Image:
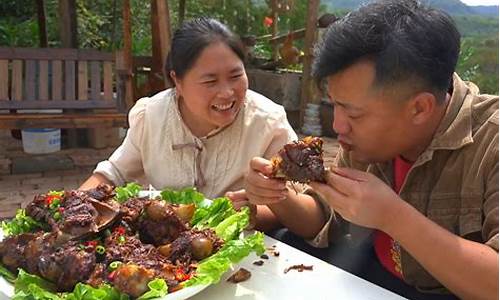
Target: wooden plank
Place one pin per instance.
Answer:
(17, 80)
(83, 81)
(108, 81)
(95, 80)
(56, 80)
(20, 121)
(69, 80)
(54, 54)
(57, 104)
(43, 80)
(4, 80)
(30, 80)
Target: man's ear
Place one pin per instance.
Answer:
(422, 107)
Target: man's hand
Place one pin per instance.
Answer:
(359, 197)
(260, 189)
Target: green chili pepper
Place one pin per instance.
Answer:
(121, 239)
(57, 216)
(114, 265)
(100, 249)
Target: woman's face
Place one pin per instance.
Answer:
(213, 90)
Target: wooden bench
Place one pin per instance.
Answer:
(83, 83)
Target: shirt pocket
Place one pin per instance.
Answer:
(461, 215)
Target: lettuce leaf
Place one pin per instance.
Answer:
(184, 196)
(87, 292)
(123, 193)
(33, 287)
(233, 225)
(211, 269)
(211, 216)
(157, 288)
(8, 275)
(21, 223)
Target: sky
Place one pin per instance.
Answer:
(481, 2)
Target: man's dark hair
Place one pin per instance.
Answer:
(405, 39)
(192, 37)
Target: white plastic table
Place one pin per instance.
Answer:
(269, 281)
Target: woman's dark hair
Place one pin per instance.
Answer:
(405, 39)
(192, 37)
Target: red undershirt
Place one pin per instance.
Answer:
(387, 250)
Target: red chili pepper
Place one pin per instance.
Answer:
(50, 198)
(61, 209)
(120, 230)
(180, 275)
(112, 275)
(90, 245)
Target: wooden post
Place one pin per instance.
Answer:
(307, 94)
(182, 10)
(69, 39)
(274, 32)
(42, 28)
(127, 54)
(164, 33)
(67, 23)
(161, 35)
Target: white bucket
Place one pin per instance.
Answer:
(41, 140)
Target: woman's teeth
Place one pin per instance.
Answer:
(223, 107)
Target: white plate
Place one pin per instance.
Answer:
(7, 289)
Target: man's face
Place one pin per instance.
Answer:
(373, 123)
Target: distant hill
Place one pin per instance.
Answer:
(453, 7)
(487, 10)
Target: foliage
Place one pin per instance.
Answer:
(100, 26)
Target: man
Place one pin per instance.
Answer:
(417, 173)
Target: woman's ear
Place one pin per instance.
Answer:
(422, 106)
(176, 82)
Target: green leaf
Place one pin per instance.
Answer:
(123, 193)
(103, 292)
(185, 196)
(157, 288)
(210, 270)
(34, 286)
(8, 275)
(21, 223)
(211, 216)
(232, 226)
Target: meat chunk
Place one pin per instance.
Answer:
(300, 161)
(160, 224)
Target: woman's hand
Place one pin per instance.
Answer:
(260, 189)
(239, 199)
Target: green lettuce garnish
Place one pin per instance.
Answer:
(87, 292)
(8, 275)
(130, 190)
(157, 288)
(184, 196)
(35, 286)
(211, 269)
(21, 223)
(211, 216)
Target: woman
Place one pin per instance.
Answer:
(203, 132)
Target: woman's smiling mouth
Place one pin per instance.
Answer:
(223, 107)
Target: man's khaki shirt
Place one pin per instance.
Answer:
(454, 182)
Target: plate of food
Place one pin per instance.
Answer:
(121, 243)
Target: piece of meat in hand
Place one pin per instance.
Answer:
(300, 161)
